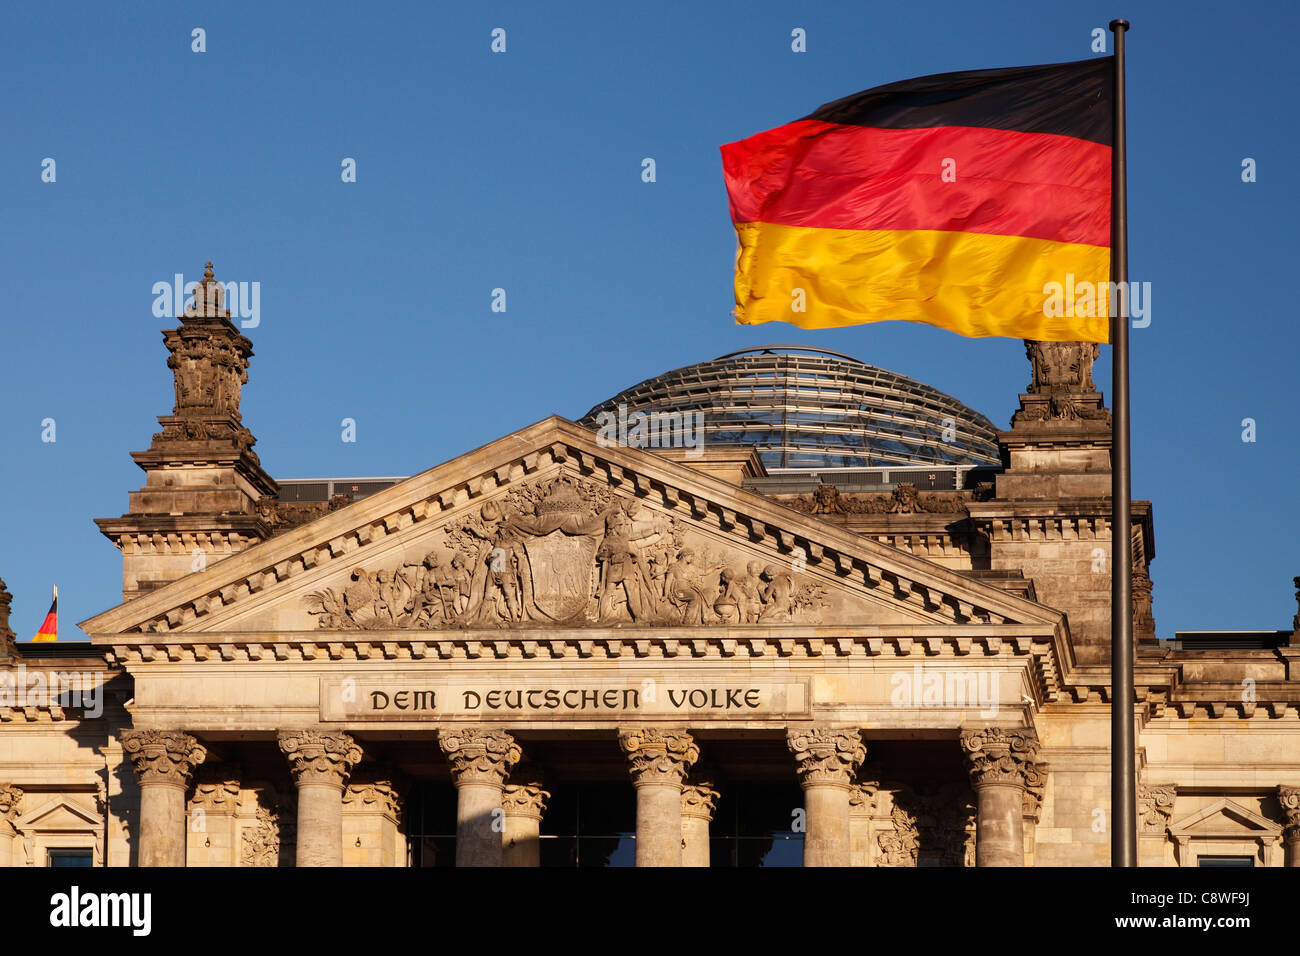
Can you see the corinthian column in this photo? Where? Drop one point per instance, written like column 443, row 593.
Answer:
column 10, row 797
column 1289, row 797
column 480, row 760
column 164, row 761
column 699, row 800
column 1002, row 764
column 321, row 762
column 658, row 761
column 827, row 760
column 524, row 803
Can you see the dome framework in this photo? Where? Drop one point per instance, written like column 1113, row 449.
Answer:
column 810, row 409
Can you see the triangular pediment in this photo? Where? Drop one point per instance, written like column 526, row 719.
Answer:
column 59, row 814
column 1224, row 818
column 549, row 527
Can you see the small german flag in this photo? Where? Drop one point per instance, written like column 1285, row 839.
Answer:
column 50, row 629
column 952, row 200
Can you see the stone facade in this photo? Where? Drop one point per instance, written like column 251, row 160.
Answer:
column 922, row 676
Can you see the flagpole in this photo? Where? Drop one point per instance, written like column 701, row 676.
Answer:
column 1123, row 776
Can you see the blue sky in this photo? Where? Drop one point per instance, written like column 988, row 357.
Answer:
column 522, row 171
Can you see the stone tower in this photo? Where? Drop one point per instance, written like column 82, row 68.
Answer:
column 203, row 480
column 1051, row 513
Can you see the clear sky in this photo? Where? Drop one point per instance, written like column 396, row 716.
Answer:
column 522, row 171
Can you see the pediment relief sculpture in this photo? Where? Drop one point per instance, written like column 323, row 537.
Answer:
column 568, row 552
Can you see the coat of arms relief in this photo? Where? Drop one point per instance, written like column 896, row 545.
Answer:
column 569, row 552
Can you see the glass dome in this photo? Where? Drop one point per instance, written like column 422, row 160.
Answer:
column 806, row 408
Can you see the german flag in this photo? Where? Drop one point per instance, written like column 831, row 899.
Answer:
column 953, row 200
column 50, row 629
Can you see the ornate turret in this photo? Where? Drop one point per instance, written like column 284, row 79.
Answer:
column 1051, row 513
column 199, row 502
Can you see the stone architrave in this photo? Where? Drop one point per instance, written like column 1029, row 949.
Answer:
column 480, row 759
column 321, row 763
column 827, row 760
column 164, row 762
column 10, row 798
column 1289, row 798
column 1002, row 765
column 659, row 760
column 699, row 801
column 524, row 802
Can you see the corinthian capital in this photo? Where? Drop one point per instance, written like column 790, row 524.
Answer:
column 479, row 755
column 524, row 800
column 1000, row 756
column 10, row 797
column 319, row 758
column 699, row 799
column 658, row 757
column 826, row 756
column 165, row 757
column 1155, row 806
column 1289, row 798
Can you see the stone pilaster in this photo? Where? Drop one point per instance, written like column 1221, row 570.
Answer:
column 480, row 759
column 659, row 760
column 862, row 804
column 827, row 760
column 1002, row 765
column 213, row 809
column 10, row 799
column 1155, row 808
column 1289, row 798
column 372, row 815
column 164, row 762
column 321, row 763
column 524, row 802
column 699, row 801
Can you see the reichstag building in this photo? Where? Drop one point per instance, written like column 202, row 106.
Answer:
column 777, row 608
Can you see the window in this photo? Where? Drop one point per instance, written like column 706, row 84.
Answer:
column 71, row 858
column 1225, row 861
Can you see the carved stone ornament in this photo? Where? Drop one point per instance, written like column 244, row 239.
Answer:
column 524, row 800
column 163, row 756
column 1155, row 806
column 373, row 794
column 699, row 799
column 564, row 553
column 216, row 790
column 319, row 757
column 1295, row 621
column 1289, row 799
column 903, row 500
column 479, row 755
column 900, row 846
column 10, row 799
column 826, row 756
column 1144, row 624
column 658, row 757
column 270, row 840
column 864, row 797
column 1061, row 366
column 998, row 756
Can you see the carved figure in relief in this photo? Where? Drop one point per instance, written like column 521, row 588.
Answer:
column 750, row 593
column 777, row 595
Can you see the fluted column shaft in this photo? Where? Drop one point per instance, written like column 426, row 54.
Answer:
column 827, row 760
column 321, row 763
column 164, row 762
column 1002, row 763
column 658, row 760
column 480, row 759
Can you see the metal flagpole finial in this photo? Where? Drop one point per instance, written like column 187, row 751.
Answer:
column 1120, row 24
